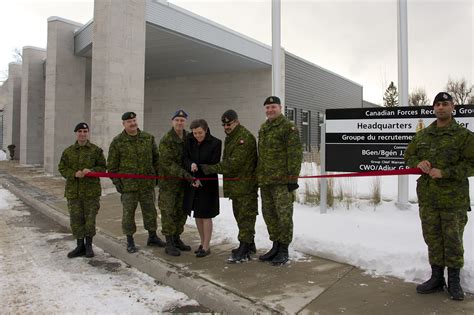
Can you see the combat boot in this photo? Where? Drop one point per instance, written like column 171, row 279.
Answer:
column 89, row 250
column 170, row 248
column 252, row 248
column 180, row 245
column 80, row 249
column 154, row 240
column 454, row 285
column 282, row 257
column 131, row 244
column 241, row 255
column 271, row 253
column 435, row 283
column 235, row 250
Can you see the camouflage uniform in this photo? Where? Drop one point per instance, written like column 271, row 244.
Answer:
column 135, row 155
column 83, row 194
column 280, row 154
column 444, row 202
column 170, row 199
column 240, row 160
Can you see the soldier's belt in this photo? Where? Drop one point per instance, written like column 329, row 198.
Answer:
column 407, row 171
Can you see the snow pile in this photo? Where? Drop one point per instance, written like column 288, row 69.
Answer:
column 380, row 239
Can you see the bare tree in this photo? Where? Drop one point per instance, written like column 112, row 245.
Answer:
column 418, row 97
column 460, row 90
column 3, row 76
column 17, row 55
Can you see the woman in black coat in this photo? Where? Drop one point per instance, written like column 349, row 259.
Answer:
column 202, row 197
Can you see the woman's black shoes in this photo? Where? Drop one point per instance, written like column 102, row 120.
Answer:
column 202, row 253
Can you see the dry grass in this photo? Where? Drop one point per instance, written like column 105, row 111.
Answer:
column 376, row 194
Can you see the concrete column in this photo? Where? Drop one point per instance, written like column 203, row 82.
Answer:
column 3, row 102
column 118, row 66
column 12, row 109
column 32, row 106
column 65, row 91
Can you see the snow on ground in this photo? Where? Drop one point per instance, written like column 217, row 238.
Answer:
column 382, row 240
column 36, row 275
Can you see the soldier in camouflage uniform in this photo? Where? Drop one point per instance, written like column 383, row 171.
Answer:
column 170, row 199
column 280, row 154
column 82, row 193
column 444, row 151
column 239, row 160
column 135, row 152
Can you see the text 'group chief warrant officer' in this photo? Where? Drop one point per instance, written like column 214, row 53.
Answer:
column 82, row 193
column 135, row 152
column 444, row 151
column 280, row 154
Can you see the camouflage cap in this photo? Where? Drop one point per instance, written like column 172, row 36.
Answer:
column 442, row 96
column 128, row 115
column 179, row 113
column 81, row 125
column 272, row 100
column 229, row 116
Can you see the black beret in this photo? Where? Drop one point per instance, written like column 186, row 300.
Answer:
column 81, row 125
column 179, row 113
column 272, row 100
column 442, row 96
column 229, row 116
column 128, row 115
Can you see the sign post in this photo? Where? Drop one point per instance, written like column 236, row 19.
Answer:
column 323, row 181
column 402, row 202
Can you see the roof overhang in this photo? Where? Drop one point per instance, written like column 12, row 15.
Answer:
column 181, row 43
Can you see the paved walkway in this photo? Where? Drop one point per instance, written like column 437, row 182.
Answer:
column 316, row 286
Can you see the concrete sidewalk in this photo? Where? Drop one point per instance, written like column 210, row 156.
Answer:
column 315, row 286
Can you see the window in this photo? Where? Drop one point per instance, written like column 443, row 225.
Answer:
column 320, row 118
column 306, row 129
column 291, row 114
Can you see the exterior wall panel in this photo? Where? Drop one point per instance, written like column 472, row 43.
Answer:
column 309, row 87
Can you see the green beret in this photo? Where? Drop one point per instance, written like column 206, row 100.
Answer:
column 128, row 115
column 272, row 100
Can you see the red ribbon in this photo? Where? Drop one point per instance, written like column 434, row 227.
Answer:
column 406, row 171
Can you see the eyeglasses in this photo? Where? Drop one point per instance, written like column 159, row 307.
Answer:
column 228, row 124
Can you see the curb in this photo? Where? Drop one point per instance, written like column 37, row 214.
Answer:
column 203, row 291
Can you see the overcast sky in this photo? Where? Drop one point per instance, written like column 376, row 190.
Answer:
column 356, row 39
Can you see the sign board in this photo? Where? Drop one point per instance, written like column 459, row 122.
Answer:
column 372, row 139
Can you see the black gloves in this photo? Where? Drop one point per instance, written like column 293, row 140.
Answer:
column 292, row 187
